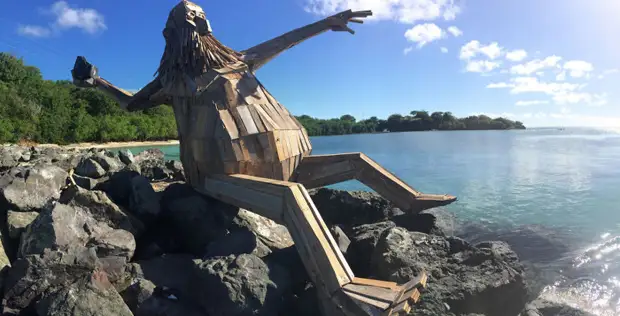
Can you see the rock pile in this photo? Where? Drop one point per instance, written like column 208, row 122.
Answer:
column 113, row 245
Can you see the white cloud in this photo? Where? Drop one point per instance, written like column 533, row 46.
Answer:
column 578, row 68
column 499, row 85
column 455, row 31
column 580, row 97
column 404, row 11
column 608, row 72
column 481, row 66
column 531, row 102
column 424, row 34
column 561, row 76
column 474, row 48
column 516, row 55
column 66, row 17
column 407, row 50
column 444, row 50
column 89, row 20
column 536, row 65
column 33, row 30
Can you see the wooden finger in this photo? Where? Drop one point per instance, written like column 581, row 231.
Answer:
column 356, row 21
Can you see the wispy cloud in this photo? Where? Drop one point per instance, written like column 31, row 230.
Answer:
column 65, row 17
column 475, row 48
column 531, row 102
column 423, row 34
column 516, row 55
column 455, row 31
column 444, row 50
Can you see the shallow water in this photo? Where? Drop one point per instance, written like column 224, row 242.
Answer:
column 554, row 194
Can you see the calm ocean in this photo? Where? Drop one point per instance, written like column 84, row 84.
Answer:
column 553, row 194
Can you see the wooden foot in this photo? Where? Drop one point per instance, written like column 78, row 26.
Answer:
column 288, row 203
column 322, row 170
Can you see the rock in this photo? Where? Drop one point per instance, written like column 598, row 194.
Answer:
column 102, row 209
column 85, row 182
column 192, row 220
column 143, row 201
column 353, row 208
column 341, row 239
column 9, row 157
column 272, row 234
column 542, row 307
column 5, row 263
column 88, row 167
column 18, row 222
column 42, row 282
column 152, row 165
column 33, row 187
column 242, row 285
column 109, row 164
column 126, row 156
column 488, row 279
column 118, row 186
column 237, row 242
column 422, row 222
column 364, row 239
column 176, row 168
column 161, row 286
column 93, row 296
column 71, row 228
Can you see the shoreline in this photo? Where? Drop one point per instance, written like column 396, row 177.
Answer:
column 107, row 145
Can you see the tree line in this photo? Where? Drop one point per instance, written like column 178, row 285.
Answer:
column 46, row 111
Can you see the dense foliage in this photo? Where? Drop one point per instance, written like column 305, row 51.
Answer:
column 416, row 121
column 43, row 111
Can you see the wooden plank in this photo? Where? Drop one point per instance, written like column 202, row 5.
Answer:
column 243, row 130
column 264, row 204
column 291, row 167
column 270, row 186
column 368, row 300
column 330, row 239
column 331, row 269
column 229, row 124
column 379, row 293
column 257, row 120
column 279, row 146
column 226, row 150
column 286, row 144
column 232, row 97
column 285, row 165
column 247, row 119
column 255, row 153
column 267, row 147
column 277, row 110
column 269, row 123
column 274, row 115
column 377, row 283
column 236, row 146
column 277, row 170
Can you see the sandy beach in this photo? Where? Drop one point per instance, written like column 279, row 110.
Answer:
column 113, row 144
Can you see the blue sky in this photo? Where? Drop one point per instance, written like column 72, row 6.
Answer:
column 543, row 62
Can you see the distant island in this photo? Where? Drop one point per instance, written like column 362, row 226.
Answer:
column 43, row 111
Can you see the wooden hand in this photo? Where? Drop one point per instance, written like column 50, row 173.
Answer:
column 84, row 74
column 339, row 22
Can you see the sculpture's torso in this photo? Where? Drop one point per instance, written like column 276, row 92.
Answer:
column 233, row 125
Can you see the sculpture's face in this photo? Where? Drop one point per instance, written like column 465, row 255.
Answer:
column 189, row 15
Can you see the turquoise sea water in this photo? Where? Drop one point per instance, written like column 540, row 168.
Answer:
column 563, row 182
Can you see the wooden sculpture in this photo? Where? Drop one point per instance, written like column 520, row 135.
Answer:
column 238, row 144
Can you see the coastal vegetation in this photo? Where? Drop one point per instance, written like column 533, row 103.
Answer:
column 45, row 111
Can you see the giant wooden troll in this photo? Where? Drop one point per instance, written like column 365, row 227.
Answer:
column 241, row 146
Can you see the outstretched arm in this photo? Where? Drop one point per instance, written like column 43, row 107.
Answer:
column 87, row 76
column 260, row 54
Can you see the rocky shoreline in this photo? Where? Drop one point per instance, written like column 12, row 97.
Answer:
column 93, row 232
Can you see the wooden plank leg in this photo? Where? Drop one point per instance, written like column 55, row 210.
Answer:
column 321, row 170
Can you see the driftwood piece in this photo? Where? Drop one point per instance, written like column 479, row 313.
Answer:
column 240, row 145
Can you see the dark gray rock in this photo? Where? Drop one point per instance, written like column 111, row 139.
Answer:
column 237, row 242
column 17, row 222
column 85, row 182
column 341, row 239
column 542, row 307
column 242, row 285
column 68, row 228
column 61, row 283
column 486, row 279
column 34, row 187
column 351, row 208
column 176, row 169
column 143, row 201
column 144, row 298
column 126, row 156
column 109, row 164
column 364, row 239
column 88, row 167
column 102, row 209
column 118, row 186
column 270, row 233
column 152, row 164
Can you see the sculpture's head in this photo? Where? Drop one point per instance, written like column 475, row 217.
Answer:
column 191, row 49
column 190, row 16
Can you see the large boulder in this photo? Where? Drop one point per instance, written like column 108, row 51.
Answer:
column 61, row 283
column 126, row 156
column 152, row 164
column 31, row 188
column 119, row 186
column 143, row 201
column 542, row 307
column 17, row 222
column 108, row 162
column 239, row 285
column 89, row 167
column 483, row 279
column 102, row 209
column 67, row 228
